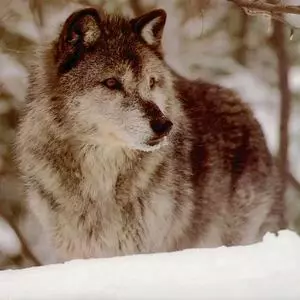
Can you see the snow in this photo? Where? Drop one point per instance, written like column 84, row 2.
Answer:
column 9, row 242
column 267, row 270
column 270, row 270
column 13, row 76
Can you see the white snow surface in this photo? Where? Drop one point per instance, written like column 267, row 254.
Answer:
column 9, row 242
column 266, row 270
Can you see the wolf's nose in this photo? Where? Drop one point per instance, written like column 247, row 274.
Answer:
column 161, row 126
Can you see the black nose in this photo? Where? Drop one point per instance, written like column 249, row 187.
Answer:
column 161, row 126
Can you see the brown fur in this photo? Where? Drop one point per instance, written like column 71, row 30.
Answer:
column 94, row 178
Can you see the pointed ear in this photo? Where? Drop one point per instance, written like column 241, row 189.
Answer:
column 80, row 32
column 150, row 27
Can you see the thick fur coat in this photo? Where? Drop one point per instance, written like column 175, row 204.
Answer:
column 120, row 155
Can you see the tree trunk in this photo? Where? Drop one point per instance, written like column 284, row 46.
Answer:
column 278, row 40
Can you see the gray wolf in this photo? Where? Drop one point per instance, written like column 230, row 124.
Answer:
column 121, row 155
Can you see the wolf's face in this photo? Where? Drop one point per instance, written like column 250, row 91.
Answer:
column 113, row 83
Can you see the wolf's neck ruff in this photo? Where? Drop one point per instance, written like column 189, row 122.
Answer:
column 96, row 172
column 102, row 166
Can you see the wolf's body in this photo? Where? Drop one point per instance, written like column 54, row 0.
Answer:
column 104, row 181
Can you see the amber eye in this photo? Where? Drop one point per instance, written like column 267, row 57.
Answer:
column 112, row 84
column 152, row 82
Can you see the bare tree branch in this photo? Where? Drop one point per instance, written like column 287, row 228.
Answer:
column 265, row 7
column 242, row 35
column 279, row 41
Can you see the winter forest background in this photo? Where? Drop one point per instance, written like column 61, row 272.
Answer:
column 252, row 51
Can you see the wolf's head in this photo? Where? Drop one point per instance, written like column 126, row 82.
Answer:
column 111, row 82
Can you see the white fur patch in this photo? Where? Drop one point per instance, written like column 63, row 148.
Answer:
column 158, row 219
column 147, row 32
column 90, row 36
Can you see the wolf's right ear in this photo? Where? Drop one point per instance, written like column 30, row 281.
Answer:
column 80, row 32
column 150, row 27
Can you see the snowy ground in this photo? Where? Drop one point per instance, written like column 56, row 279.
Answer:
column 267, row 270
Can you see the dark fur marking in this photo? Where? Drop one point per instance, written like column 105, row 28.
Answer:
column 159, row 174
column 91, row 232
column 150, row 109
column 141, row 206
column 57, row 109
column 82, row 217
column 199, row 157
column 239, row 161
column 135, row 62
column 181, row 155
column 47, row 195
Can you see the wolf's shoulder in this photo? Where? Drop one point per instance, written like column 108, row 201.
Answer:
column 211, row 102
column 220, row 118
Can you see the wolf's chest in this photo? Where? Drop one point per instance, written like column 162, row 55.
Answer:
column 123, row 214
column 123, row 226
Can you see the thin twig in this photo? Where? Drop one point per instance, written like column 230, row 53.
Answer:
column 242, row 34
column 267, row 7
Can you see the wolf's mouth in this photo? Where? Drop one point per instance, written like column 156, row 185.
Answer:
column 157, row 140
column 154, row 142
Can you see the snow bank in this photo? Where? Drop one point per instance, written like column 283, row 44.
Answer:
column 267, row 270
column 9, row 242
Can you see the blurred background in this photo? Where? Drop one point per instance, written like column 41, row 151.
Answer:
column 252, row 51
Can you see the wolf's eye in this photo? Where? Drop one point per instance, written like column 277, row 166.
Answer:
column 112, row 84
column 152, row 83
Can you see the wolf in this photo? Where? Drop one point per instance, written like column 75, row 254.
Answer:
column 120, row 155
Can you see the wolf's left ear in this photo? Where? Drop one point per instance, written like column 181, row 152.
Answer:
column 80, row 32
column 150, row 27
